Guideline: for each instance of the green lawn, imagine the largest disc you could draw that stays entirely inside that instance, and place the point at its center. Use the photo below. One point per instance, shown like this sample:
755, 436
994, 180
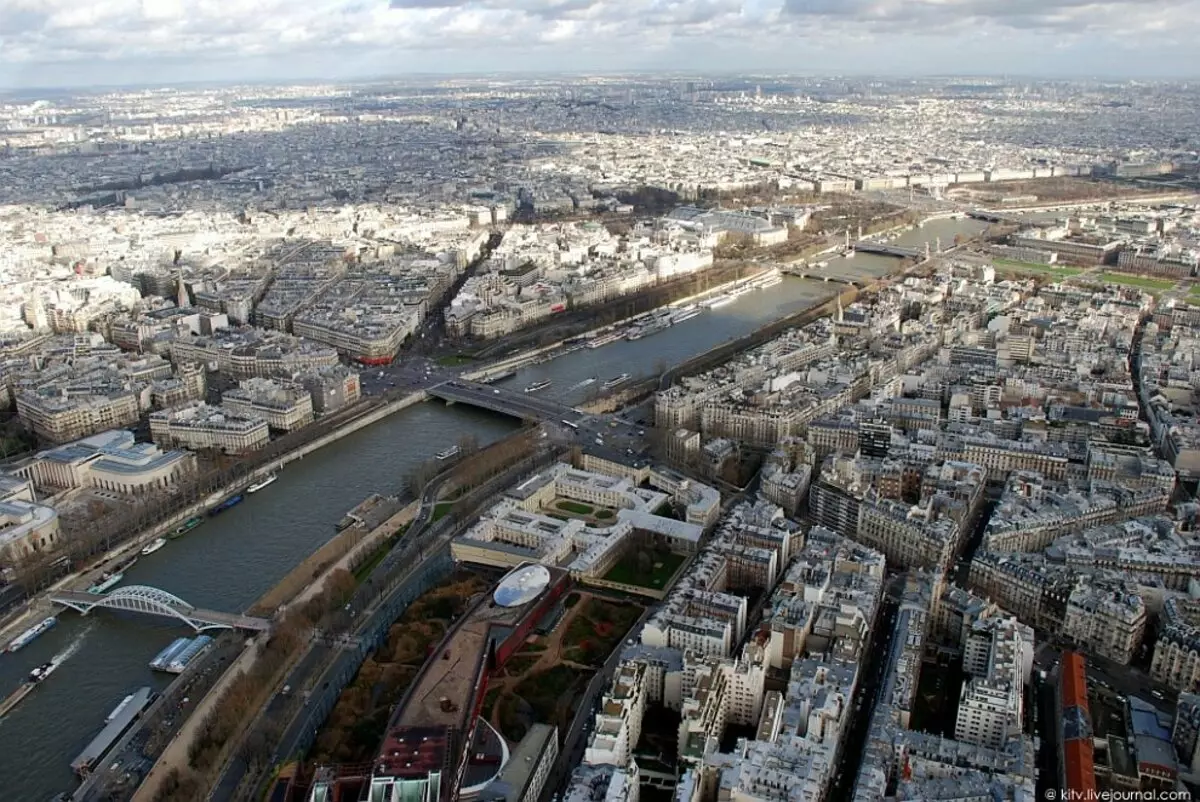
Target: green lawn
457, 360
1140, 282
575, 507
1194, 292
604, 515
630, 570
364, 570
442, 509
1053, 271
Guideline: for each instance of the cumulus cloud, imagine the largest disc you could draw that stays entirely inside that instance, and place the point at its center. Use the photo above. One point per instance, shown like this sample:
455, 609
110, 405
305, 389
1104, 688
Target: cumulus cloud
544, 9
619, 33
53, 30
1042, 16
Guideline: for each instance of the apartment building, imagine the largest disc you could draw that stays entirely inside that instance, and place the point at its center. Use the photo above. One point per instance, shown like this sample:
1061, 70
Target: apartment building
285, 406
1021, 588
998, 659
1034, 511
705, 622
56, 417
922, 535
246, 352
331, 388
1185, 731
1176, 661
1106, 618
604, 783
723, 691
188, 384
199, 426
786, 487
829, 594
617, 725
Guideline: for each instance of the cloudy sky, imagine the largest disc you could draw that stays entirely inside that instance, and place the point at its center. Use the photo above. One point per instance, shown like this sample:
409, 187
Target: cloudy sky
89, 42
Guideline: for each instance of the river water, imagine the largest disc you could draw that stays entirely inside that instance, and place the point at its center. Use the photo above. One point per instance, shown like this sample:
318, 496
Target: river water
234, 558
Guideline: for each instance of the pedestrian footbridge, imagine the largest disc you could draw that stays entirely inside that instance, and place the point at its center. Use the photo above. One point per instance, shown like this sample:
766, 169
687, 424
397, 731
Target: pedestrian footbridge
152, 601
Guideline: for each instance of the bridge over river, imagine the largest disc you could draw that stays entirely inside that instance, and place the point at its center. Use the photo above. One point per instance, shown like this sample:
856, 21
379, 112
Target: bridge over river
152, 601
883, 249
525, 406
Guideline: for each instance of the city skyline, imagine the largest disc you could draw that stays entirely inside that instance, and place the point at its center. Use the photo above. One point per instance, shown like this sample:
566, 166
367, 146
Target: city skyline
154, 42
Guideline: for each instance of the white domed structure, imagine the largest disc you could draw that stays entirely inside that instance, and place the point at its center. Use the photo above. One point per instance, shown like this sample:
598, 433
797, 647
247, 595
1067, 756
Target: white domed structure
521, 586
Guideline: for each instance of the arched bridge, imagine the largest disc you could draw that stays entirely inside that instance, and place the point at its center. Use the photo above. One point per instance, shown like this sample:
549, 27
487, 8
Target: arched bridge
152, 601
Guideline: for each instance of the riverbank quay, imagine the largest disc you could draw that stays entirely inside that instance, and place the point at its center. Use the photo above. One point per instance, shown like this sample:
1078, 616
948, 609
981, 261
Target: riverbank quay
725, 351
38, 607
355, 548
416, 563
118, 775
577, 322
553, 350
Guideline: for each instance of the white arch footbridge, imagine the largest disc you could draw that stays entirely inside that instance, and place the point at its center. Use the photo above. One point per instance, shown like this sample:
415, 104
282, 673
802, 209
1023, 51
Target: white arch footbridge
152, 601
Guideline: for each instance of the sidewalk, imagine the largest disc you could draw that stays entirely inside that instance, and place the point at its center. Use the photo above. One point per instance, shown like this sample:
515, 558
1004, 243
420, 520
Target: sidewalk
175, 756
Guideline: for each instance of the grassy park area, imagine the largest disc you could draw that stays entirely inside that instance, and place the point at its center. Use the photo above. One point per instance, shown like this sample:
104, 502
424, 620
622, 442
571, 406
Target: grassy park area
545, 696
1138, 282
596, 629
576, 507
646, 568
441, 510
544, 679
362, 571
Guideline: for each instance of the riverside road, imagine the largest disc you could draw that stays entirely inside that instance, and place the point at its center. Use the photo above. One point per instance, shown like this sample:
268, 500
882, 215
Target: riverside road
235, 557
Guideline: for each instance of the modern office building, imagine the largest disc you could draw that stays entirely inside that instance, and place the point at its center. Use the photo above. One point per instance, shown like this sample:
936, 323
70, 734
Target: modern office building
425, 751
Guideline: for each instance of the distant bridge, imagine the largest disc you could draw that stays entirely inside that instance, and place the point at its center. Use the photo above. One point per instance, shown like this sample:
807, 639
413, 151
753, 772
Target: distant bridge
863, 246
526, 406
825, 277
152, 601
999, 217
